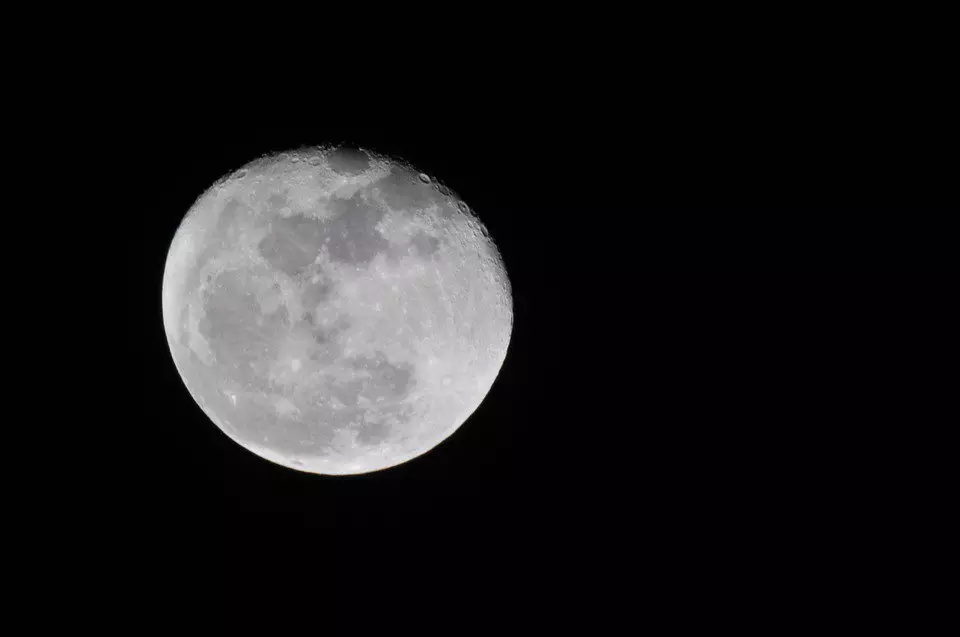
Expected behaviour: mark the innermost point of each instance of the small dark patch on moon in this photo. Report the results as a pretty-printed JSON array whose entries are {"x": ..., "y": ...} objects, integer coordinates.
[
  {"x": 328, "y": 330},
  {"x": 352, "y": 236},
  {"x": 313, "y": 294},
  {"x": 385, "y": 383},
  {"x": 402, "y": 190},
  {"x": 424, "y": 245},
  {"x": 321, "y": 337},
  {"x": 276, "y": 202},
  {"x": 228, "y": 216},
  {"x": 230, "y": 326},
  {"x": 373, "y": 433},
  {"x": 284, "y": 253},
  {"x": 391, "y": 381},
  {"x": 292, "y": 244},
  {"x": 390, "y": 419},
  {"x": 326, "y": 351},
  {"x": 348, "y": 161}
]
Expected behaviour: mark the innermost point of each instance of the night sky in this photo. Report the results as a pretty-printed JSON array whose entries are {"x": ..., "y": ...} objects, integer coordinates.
[{"x": 713, "y": 311}]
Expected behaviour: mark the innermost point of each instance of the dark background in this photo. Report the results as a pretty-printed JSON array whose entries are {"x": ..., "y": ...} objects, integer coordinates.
[{"x": 726, "y": 310}]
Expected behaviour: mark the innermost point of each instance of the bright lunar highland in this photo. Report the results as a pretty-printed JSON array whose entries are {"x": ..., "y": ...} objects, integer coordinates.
[{"x": 335, "y": 311}]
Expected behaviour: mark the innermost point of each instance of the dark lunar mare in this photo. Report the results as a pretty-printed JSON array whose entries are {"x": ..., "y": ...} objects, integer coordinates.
[
  {"x": 350, "y": 237},
  {"x": 348, "y": 161}
]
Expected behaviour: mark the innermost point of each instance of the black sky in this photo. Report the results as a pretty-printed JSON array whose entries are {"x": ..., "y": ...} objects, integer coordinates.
[{"x": 711, "y": 301}]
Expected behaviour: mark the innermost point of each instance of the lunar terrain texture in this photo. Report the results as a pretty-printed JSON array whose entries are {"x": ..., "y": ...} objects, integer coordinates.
[{"x": 335, "y": 311}]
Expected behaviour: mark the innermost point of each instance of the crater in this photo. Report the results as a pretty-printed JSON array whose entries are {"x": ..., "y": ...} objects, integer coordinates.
[
  {"x": 348, "y": 161},
  {"x": 402, "y": 190}
]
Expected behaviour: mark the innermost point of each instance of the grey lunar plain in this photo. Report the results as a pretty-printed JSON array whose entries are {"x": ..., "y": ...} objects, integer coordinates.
[{"x": 334, "y": 311}]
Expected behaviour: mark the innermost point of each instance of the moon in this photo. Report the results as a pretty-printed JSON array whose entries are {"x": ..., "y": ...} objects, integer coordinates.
[{"x": 335, "y": 311}]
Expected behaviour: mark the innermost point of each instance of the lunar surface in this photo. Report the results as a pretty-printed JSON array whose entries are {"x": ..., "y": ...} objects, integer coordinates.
[{"x": 335, "y": 311}]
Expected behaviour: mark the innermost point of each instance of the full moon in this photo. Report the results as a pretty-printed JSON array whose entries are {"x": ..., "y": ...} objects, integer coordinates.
[{"x": 334, "y": 310}]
